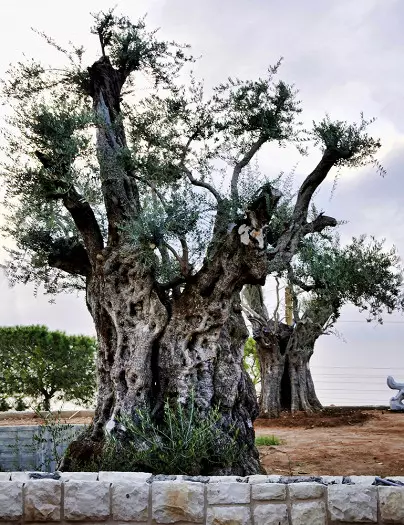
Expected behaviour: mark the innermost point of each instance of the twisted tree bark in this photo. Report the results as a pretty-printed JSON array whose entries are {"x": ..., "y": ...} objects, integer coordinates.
[{"x": 156, "y": 345}]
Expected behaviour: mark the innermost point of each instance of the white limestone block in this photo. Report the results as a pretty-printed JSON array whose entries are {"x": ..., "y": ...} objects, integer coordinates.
[
  {"x": 272, "y": 514},
  {"x": 42, "y": 500},
  {"x": 231, "y": 515},
  {"x": 136, "y": 477},
  {"x": 78, "y": 476},
  {"x": 269, "y": 491},
  {"x": 391, "y": 501},
  {"x": 19, "y": 476},
  {"x": 310, "y": 512},
  {"x": 352, "y": 503},
  {"x": 86, "y": 500},
  {"x": 173, "y": 502},
  {"x": 362, "y": 480},
  {"x": 130, "y": 501},
  {"x": 10, "y": 500},
  {"x": 306, "y": 490},
  {"x": 225, "y": 493}
]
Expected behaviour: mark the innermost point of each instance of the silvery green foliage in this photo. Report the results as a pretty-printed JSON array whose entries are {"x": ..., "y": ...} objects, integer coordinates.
[
  {"x": 182, "y": 148},
  {"x": 354, "y": 145},
  {"x": 362, "y": 273},
  {"x": 186, "y": 441}
]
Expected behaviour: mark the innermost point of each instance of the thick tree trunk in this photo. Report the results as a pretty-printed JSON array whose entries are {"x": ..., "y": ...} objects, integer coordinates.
[
  {"x": 302, "y": 392},
  {"x": 152, "y": 347},
  {"x": 149, "y": 353},
  {"x": 286, "y": 381},
  {"x": 271, "y": 348}
]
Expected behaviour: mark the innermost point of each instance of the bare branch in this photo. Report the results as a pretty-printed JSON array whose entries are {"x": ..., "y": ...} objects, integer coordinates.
[
  {"x": 201, "y": 184},
  {"x": 181, "y": 261},
  {"x": 252, "y": 315},
  {"x": 311, "y": 183},
  {"x": 188, "y": 172}
]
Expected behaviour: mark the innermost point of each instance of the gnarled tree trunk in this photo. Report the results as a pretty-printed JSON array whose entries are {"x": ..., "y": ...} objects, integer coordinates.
[
  {"x": 272, "y": 346},
  {"x": 150, "y": 351},
  {"x": 284, "y": 354},
  {"x": 161, "y": 341},
  {"x": 286, "y": 381}
]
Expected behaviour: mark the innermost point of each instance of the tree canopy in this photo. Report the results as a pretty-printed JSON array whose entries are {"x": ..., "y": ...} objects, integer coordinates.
[
  {"x": 163, "y": 182},
  {"x": 362, "y": 273},
  {"x": 42, "y": 365}
]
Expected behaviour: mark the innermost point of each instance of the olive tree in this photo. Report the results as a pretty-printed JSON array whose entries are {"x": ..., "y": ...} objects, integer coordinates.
[
  {"x": 323, "y": 276},
  {"x": 146, "y": 200}
]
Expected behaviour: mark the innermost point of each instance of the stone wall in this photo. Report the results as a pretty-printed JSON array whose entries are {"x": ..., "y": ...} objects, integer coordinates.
[
  {"x": 117, "y": 497},
  {"x": 27, "y": 447}
]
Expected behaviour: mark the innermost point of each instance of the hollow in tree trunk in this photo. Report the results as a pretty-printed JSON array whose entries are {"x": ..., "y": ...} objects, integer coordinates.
[{"x": 284, "y": 354}]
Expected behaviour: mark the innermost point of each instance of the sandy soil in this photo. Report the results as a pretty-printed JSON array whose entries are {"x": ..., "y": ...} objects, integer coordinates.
[{"x": 356, "y": 442}]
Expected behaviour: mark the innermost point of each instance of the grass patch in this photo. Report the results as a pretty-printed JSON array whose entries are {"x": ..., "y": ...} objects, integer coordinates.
[{"x": 267, "y": 441}]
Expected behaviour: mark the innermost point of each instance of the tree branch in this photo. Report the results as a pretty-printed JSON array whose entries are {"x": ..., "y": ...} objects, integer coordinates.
[
  {"x": 289, "y": 240},
  {"x": 119, "y": 188},
  {"x": 319, "y": 224},
  {"x": 201, "y": 183},
  {"x": 181, "y": 261},
  {"x": 85, "y": 221},
  {"x": 188, "y": 172},
  {"x": 70, "y": 256},
  {"x": 242, "y": 164},
  {"x": 185, "y": 253},
  {"x": 311, "y": 183},
  {"x": 80, "y": 210}
]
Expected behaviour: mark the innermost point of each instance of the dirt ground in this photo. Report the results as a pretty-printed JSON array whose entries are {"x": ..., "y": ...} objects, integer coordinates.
[
  {"x": 36, "y": 420},
  {"x": 336, "y": 442}
]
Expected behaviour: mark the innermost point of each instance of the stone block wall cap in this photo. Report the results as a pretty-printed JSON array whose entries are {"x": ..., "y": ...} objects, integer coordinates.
[
  {"x": 227, "y": 479},
  {"x": 78, "y": 476},
  {"x": 124, "y": 476},
  {"x": 362, "y": 480}
]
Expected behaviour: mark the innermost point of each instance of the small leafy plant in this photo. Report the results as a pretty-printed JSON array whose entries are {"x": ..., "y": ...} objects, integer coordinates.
[
  {"x": 267, "y": 441},
  {"x": 47, "y": 445},
  {"x": 184, "y": 441}
]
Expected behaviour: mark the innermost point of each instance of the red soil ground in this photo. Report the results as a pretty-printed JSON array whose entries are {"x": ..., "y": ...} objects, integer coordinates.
[{"x": 336, "y": 442}]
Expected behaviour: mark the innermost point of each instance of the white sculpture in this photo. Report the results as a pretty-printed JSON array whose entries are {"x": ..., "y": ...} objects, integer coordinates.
[{"x": 396, "y": 402}]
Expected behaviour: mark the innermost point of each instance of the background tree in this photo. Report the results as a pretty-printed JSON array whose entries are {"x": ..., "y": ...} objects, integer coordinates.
[
  {"x": 148, "y": 203},
  {"x": 323, "y": 277},
  {"x": 45, "y": 366}
]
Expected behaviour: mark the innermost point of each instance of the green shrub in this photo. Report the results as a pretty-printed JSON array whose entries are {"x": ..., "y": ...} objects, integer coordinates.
[
  {"x": 45, "y": 365},
  {"x": 20, "y": 405},
  {"x": 184, "y": 442},
  {"x": 4, "y": 405},
  {"x": 52, "y": 436},
  {"x": 267, "y": 441}
]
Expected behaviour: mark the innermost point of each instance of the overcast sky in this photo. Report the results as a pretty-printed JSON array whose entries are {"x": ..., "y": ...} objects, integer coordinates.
[{"x": 345, "y": 57}]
